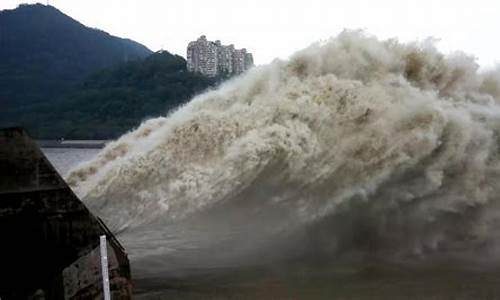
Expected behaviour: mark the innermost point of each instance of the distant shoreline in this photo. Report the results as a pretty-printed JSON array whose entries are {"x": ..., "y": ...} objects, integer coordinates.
[{"x": 86, "y": 144}]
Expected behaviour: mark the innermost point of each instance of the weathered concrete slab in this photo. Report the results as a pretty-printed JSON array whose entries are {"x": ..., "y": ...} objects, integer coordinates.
[{"x": 48, "y": 237}]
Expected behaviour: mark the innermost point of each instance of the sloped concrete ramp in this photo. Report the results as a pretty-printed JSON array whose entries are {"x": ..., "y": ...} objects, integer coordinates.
[{"x": 49, "y": 241}]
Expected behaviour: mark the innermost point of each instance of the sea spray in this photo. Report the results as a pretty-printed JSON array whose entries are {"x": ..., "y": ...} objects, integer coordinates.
[{"x": 397, "y": 140}]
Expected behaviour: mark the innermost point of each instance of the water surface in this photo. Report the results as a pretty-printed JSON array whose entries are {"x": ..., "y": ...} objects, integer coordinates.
[{"x": 197, "y": 268}]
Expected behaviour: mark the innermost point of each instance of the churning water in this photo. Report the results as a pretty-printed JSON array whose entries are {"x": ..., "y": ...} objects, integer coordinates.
[{"x": 355, "y": 150}]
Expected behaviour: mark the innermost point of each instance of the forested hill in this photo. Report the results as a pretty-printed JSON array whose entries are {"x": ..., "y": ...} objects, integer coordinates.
[
  {"x": 44, "y": 52},
  {"x": 59, "y": 78},
  {"x": 115, "y": 100}
]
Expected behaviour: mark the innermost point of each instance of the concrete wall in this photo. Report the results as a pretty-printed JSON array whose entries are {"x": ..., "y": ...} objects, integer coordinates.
[
  {"x": 45, "y": 229},
  {"x": 82, "y": 279}
]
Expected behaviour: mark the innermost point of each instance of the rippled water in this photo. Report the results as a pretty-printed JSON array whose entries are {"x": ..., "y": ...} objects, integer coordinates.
[{"x": 63, "y": 159}]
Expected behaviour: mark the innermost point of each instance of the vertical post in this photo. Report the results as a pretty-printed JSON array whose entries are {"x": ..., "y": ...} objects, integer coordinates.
[{"x": 104, "y": 267}]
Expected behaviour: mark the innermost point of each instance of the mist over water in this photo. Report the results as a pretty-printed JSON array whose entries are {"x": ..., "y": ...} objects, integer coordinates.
[{"x": 353, "y": 143}]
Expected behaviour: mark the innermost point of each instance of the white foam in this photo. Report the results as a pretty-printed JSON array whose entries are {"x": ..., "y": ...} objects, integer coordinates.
[{"x": 399, "y": 130}]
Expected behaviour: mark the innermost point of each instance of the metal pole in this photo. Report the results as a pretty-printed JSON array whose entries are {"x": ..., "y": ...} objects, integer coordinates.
[{"x": 104, "y": 267}]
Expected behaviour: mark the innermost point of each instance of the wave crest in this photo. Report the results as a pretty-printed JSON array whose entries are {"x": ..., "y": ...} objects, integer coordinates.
[{"x": 397, "y": 135}]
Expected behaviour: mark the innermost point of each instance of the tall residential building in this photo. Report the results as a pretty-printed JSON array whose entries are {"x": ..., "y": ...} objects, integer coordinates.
[
  {"x": 212, "y": 58},
  {"x": 225, "y": 58},
  {"x": 202, "y": 57},
  {"x": 239, "y": 60},
  {"x": 248, "y": 60}
]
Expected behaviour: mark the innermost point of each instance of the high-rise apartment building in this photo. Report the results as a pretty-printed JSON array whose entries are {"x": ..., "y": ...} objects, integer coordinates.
[
  {"x": 202, "y": 57},
  {"x": 212, "y": 58}
]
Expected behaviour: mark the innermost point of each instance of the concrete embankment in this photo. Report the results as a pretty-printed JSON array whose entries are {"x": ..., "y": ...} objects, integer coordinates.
[{"x": 50, "y": 240}]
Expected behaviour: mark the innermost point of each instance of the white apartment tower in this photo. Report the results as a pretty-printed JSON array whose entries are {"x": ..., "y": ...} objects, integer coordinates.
[
  {"x": 202, "y": 57},
  {"x": 212, "y": 58}
]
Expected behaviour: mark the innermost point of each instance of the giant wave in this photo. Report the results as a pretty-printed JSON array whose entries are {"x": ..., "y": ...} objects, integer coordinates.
[{"x": 394, "y": 144}]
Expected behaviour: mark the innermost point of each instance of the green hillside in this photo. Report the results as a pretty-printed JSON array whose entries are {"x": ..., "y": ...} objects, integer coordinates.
[
  {"x": 110, "y": 102},
  {"x": 44, "y": 52},
  {"x": 59, "y": 78}
]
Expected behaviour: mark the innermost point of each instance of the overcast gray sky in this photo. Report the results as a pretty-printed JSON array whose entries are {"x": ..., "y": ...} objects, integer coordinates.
[{"x": 272, "y": 29}]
